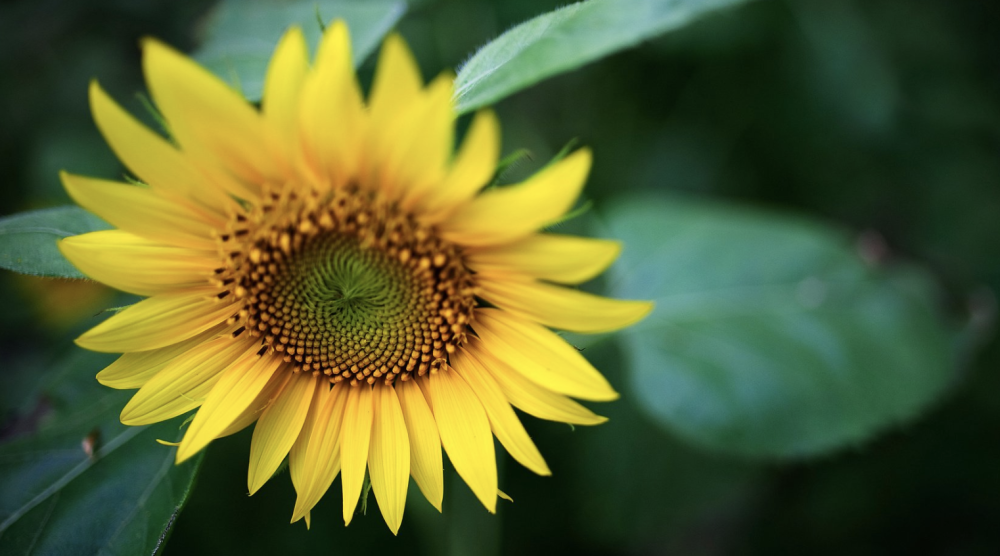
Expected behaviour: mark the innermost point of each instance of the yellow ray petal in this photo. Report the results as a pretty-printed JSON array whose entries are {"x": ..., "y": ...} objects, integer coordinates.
[
  {"x": 132, "y": 370},
  {"x": 472, "y": 168},
  {"x": 238, "y": 386},
  {"x": 425, "y": 445},
  {"x": 508, "y": 213},
  {"x": 283, "y": 84},
  {"x": 355, "y": 437},
  {"x": 422, "y": 163},
  {"x": 314, "y": 460},
  {"x": 184, "y": 382},
  {"x": 263, "y": 401},
  {"x": 389, "y": 455},
  {"x": 142, "y": 211},
  {"x": 397, "y": 81},
  {"x": 562, "y": 308},
  {"x": 530, "y": 397},
  {"x": 331, "y": 114},
  {"x": 505, "y": 424},
  {"x": 213, "y": 124},
  {"x": 137, "y": 265},
  {"x": 557, "y": 258},
  {"x": 278, "y": 427},
  {"x": 541, "y": 355},
  {"x": 465, "y": 434},
  {"x": 396, "y": 105},
  {"x": 158, "y": 322},
  {"x": 154, "y": 160}
]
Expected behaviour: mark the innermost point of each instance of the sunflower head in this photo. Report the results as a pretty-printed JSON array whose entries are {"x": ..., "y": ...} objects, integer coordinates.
[{"x": 330, "y": 269}]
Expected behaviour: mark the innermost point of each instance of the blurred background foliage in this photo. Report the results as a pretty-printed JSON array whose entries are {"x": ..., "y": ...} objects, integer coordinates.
[{"x": 877, "y": 121}]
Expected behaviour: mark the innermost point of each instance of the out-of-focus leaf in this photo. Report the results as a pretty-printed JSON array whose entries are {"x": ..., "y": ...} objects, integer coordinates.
[
  {"x": 28, "y": 240},
  {"x": 240, "y": 35},
  {"x": 771, "y": 337},
  {"x": 565, "y": 39},
  {"x": 83, "y": 483}
]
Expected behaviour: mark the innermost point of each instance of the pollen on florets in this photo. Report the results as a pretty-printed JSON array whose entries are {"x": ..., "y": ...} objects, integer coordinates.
[{"x": 344, "y": 284}]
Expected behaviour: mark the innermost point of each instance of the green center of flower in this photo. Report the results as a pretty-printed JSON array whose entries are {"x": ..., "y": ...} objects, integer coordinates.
[{"x": 347, "y": 287}]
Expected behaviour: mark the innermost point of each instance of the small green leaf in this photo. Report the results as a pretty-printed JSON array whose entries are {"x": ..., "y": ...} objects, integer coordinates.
[
  {"x": 565, "y": 39},
  {"x": 83, "y": 483},
  {"x": 240, "y": 36},
  {"x": 28, "y": 240},
  {"x": 771, "y": 337}
]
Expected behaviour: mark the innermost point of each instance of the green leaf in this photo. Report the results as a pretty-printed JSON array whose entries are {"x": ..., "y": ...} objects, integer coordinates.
[
  {"x": 240, "y": 35},
  {"x": 771, "y": 337},
  {"x": 565, "y": 39},
  {"x": 28, "y": 240},
  {"x": 57, "y": 499}
]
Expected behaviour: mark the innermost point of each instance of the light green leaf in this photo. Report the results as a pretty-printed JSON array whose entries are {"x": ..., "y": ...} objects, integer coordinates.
[
  {"x": 28, "y": 240},
  {"x": 771, "y": 337},
  {"x": 240, "y": 35},
  {"x": 565, "y": 39},
  {"x": 55, "y": 498}
]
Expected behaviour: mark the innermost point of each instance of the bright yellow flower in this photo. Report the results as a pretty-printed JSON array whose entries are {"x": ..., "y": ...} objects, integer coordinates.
[{"x": 328, "y": 269}]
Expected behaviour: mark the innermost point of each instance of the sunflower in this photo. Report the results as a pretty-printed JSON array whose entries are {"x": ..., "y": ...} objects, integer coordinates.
[{"x": 329, "y": 269}]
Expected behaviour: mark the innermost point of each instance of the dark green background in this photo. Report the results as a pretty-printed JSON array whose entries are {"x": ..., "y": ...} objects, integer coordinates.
[{"x": 880, "y": 115}]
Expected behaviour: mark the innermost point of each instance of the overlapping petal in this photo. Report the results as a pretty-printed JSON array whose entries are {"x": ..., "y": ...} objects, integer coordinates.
[
  {"x": 563, "y": 308},
  {"x": 509, "y": 213},
  {"x": 137, "y": 265},
  {"x": 465, "y": 433},
  {"x": 552, "y": 257},
  {"x": 158, "y": 322}
]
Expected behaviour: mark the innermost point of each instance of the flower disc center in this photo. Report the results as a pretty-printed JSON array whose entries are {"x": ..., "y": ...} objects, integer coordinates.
[{"x": 349, "y": 288}]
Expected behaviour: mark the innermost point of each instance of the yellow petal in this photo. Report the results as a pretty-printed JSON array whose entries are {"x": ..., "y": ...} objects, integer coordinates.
[
  {"x": 154, "y": 160},
  {"x": 278, "y": 427},
  {"x": 529, "y": 396},
  {"x": 505, "y": 424},
  {"x": 560, "y": 307},
  {"x": 283, "y": 83},
  {"x": 472, "y": 168},
  {"x": 423, "y": 160},
  {"x": 397, "y": 80},
  {"x": 465, "y": 434},
  {"x": 314, "y": 460},
  {"x": 331, "y": 114},
  {"x": 389, "y": 455},
  {"x": 183, "y": 384},
  {"x": 132, "y": 370},
  {"x": 263, "y": 401},
  {"x": 355, "y": 437},
  {"x": 508, "y": 213},
  {"x": 396, "y": 105},
  {"x": 158, "y": 322},
  {"x": 557, "y": 258},
  {"x": 142, "y": 211},
  {"x": 238, "y": 387},
  {"x": 541, "y": 355},
  {"x": 213, "y": 124},
  {"x": 137, "y": 265},
  {"x": 425, "y": 445}
]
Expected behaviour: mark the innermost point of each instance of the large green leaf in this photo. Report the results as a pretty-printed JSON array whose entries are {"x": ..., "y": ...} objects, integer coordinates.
[
  {"x": 28, "y": 240},
  {"x": 240, "y": 35},
  {"x": 55, "y": 498},
  {"x": 771, "y": 336},
  {"x": 565, "y": 39}
]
